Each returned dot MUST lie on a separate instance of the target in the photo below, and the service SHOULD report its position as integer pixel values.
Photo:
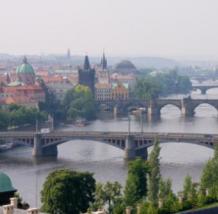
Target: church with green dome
(25, 73)
(6, 189)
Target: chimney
(14, 202)
(8, 209)
(33, 211)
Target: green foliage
(51, 105)
(119, 207)
(209, 178)
(20, 203)
(148, 208)
(147, 88)
(4, 119)
(162, 84)
(154, 175)
(136, 184)
(79, 103)
(67, 191)
(109, 195)
(169, 201)
(190, 193)
(15, 115)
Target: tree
(79, 102)
(190, 196)
(169, 201)
(147, 88)
(154, 175)
(151, 86)
(108, 194)
(66, 191)
(136, 184)
(4, 120)
(51, 105)
(209, 178)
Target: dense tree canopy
(162, 84)
(51, 105)
(67, 191)
(136, 184)
(108, 195)
(169, 201)
(154, 175)
(14, 115)
(79, 103)
(209, 179)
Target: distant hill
(139, 62)
(154, 62)
(142, 62)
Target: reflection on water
(106, 162)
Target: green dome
(5, 183)
(25, 68)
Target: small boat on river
(5, 147)
(81, 123)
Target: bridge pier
(143, 153)
(153, 110)
(131, 152)
(39, 150)
(203, 91)
(188, 107)
(188, 110)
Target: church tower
(103, 62)
(87, 75)
(68, 54)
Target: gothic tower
(87, 75)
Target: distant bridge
(134, 144)
(204, 87)
(186, 105)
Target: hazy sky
(172, 28)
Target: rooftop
(5, 183)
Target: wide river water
(106, 162)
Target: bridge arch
(204, 89)
(210, 105)
(118, 143)
(204, 144)
(211, 89)
(161, 107)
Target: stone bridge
(187, 105)
(203, 87)
(134, 144)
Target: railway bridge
(134, 144)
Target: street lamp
(37, 124)
(129, 123)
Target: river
(106, 162)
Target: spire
(68, 53)
(86, 63)
(25, 60)
(8, 79)
(104, 62)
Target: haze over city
(108, 106)
(169, 28)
